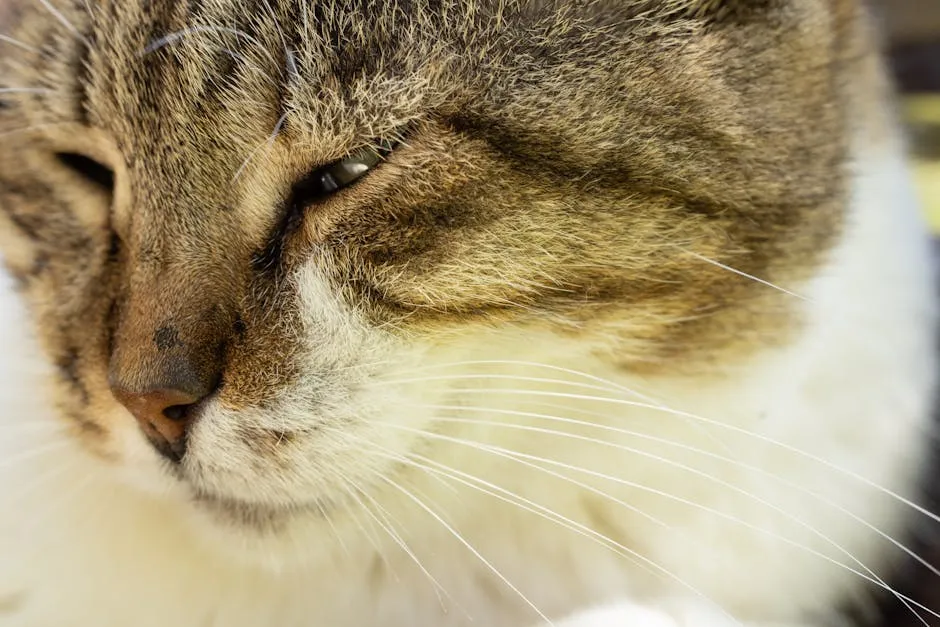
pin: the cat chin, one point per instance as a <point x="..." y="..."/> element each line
<point x="255" y="534"/>
<point x="257" y="518"/>
<point x="261" y="537"/>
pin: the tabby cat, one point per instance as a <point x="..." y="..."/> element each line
<point x="433" y="313"/>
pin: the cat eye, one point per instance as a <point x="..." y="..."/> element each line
<point x="89" y="169"/>
<point x="335" y="176"/>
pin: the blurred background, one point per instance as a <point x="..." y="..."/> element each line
<point x="913" y="32"/>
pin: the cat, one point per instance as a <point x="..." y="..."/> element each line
<point x="407" y="313"/>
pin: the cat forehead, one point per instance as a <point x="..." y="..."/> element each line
<point x="346" y="51"/>
<point x="215" y="78"/>
<point x="353" y="69"/>
<point x="333" y="75"/>
<point x="235" y="74"/>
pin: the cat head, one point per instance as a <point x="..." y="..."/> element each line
<point x="261" y="240"/>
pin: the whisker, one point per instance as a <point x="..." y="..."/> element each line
<point x="531" y="507"/>
<point x="329" y="521"/>
<point x="873" y="578"/>
<point x="686" y="447"/>
<point x="466" y="545"/>
<point x="585" y="486"/>
<point x="60" y="503"/>
<point x="18" y="43"/>
<point x="655" y="404"/>
<point x="607" y="384"/>
<point x="745" y="275"/>
<point x="30" y="128"/>
<point x="23" y="490"/>
<point x="496" y="377"/>
<point x="512" y="362"/>
<point x="64" y="21"/>
<point x="353" y="490"/>
<point x="49" y="508"/>
<point x="28" y="90"/>
<point x="556" y="518"/>
<point x="729" y="427"/>
<point x="363" y="366"/>
<point x="389" y="525"/>
<point x="179" y="35"/>
<point x="389" y="528"/>
<point x="508" y="377"/>
<point x="264" y="146"/>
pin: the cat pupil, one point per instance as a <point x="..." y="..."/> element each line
<point x="87" y="168"/>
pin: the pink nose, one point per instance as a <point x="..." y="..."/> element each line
<point x="164" y="415"/>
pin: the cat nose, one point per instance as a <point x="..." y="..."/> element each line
<point x="165" y="415"/>
<point x="168" y="355"/>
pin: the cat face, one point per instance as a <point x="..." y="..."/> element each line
<point x="257" y="227"/>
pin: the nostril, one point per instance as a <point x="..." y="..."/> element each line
<point x="165" y="416"/>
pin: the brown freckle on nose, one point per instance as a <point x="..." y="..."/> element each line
<point x="166" y="338"/>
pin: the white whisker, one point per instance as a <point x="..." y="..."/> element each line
<point x="62" y="19"/>
<point x="389" y="527"/>
<point x="468" y="546"/>
<point x="745" y="275"/>
<point x="179" y="35"/>
<point x="508" y="377"/>
<point x="18" y="43"/>
<point x="495" y="377"/>
<point x="28" y="90"/>
<point x="353" y="490"/>
<point x="264" y="146"/>
<point x="329" y="521"/>
<point x="31" y="128"/>
<point x="75" y="492"/>
<point x="517" y="500"/>
<point x="871" y="577"/>
<point x="654" y="404"/>
<point x="710" y="421"/>
<point x="679" y="445"/>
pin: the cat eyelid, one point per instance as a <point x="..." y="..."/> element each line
<point x="319" y="185"/>
<point x="328" y="179"/>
